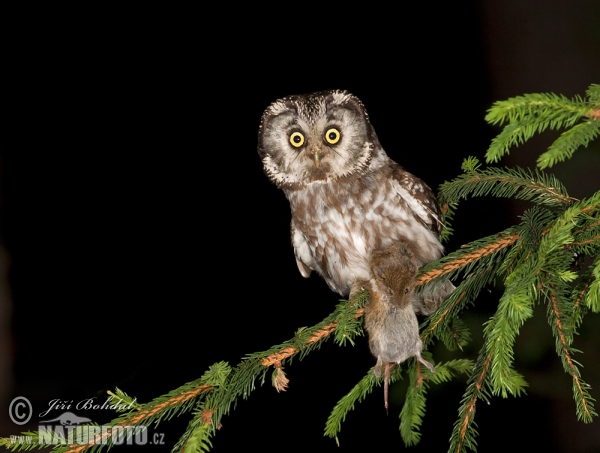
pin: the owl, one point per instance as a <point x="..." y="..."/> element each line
<point x="347" y="197"/>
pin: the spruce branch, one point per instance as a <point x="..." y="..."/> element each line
<point x="348" y="311"/>
<point x="456" y="335"/>
<point x="487" y="254"/>
<point x="198" y="440"/>
<point x="530" y="114"/>
<point x="357" y="394"/>
<point x="593" y="93"/>
<point x="516" y="304"/>
<point x="521" y="184"/>
<point x="548" y="106"/>
<point x="467" y="256"/>
<point x="465" y="428"/>
<point x="444" y="323"/>
<point x="563" y="333"/>
<point x="569" y="141"/>
<point x="413" y="410"/>
<point x="592" y="297"/>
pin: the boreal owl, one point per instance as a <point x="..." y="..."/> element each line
<point x="348" y="198"/>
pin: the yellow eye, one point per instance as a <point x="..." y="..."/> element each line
<point x="297" y="139"/>
<point x="332" y="136"/>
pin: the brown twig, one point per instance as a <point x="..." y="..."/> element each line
<point x="433" y="326"/>
<point x="319" y="335"/>
<point x="171" y="402"/>
<point x="583" y="291"/>
<point x="470" y="410"/>
<point x="573" y="371"/>
<point x="587" y="241"/>
<point x="502" y="242"/>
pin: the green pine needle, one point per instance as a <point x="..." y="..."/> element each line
<point x="521" y="184"/>
<point x="532" y="114"/>
<point x="592" y="297"/>
<point x="565" y="145"/>
<point x="199" y="440"/>
<point x="217" y="374"/>
<point x="413" y="410"/>
<point x="593" y="93"/>
<point x="358" y="393"/>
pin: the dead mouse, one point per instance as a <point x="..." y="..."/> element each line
<point x="389" y="317"/>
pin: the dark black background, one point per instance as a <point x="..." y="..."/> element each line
<point x="143" y="242"/>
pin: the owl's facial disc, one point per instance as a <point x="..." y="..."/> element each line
<point x="324" y="139"/>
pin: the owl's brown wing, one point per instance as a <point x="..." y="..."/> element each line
<point x="419" y="197"/>
<point x="424" y="204"/>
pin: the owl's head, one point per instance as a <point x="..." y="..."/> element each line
<point x="323" y="136"/>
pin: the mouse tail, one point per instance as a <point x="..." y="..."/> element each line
<point x="386" y="384"/>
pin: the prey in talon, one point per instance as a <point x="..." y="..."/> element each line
<point x="390" y="318"/>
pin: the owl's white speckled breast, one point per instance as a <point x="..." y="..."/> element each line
<point x="338" y="225"/>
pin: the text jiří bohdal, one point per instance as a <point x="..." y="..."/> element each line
<point x="87" y="404"/>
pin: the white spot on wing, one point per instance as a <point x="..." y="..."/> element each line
<point x="414" y="204"/>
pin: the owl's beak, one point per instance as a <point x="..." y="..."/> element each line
<point x="317" y="157"/>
